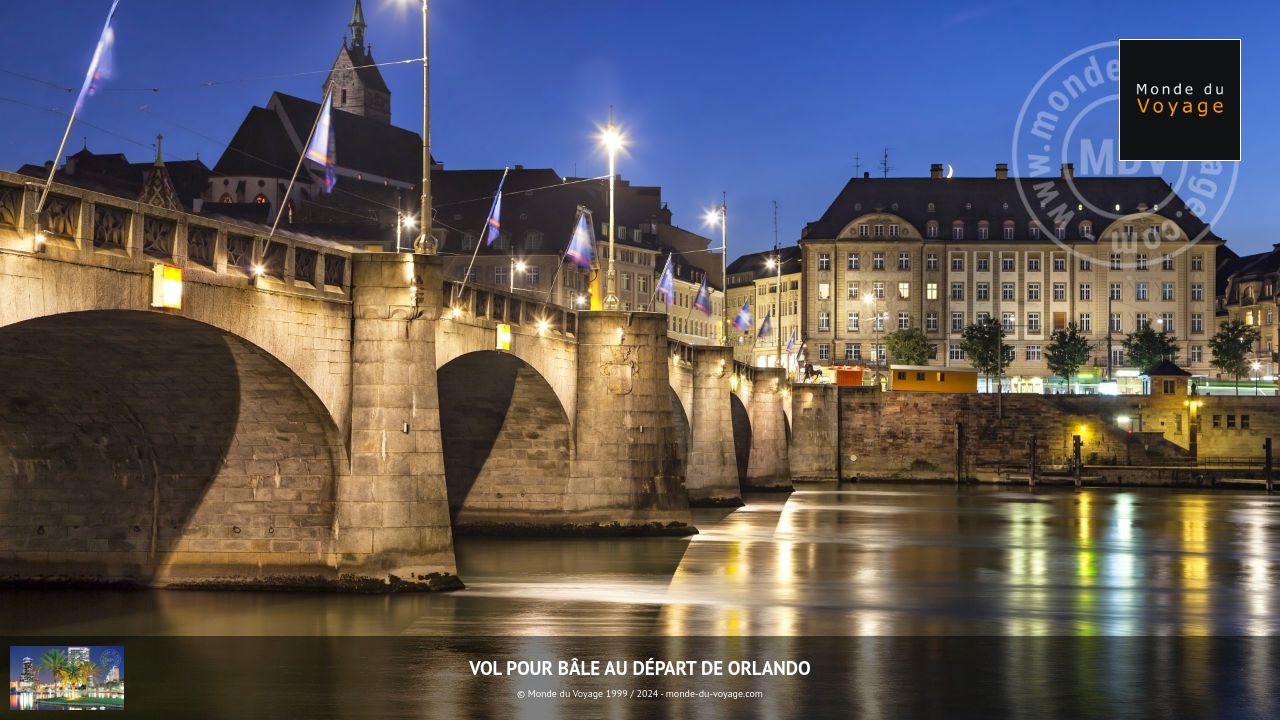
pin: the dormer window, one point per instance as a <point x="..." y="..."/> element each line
<point x="1007" y="230"/>
<point x="957" y="230"/>
<point x="1086" y="229"/>
<point x="931" y="207"/>
<point x="984" y="230"/>
<point x="931" y="227"/>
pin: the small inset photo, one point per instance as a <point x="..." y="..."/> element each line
<point x="66" y="677"/>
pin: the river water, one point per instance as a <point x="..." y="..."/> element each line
<point x="1021" y="589"/>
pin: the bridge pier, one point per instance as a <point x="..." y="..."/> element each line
<point x="391" y="522"/>
<point x="768" y="467"/>
<point x="711" y="473"/>
<point x="625" y="473"/>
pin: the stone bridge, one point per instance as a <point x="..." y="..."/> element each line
<point x="314" y="414"/>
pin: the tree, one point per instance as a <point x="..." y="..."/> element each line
<point x="1147" y="347"/>
<point x="84" y="672"/>
<point x="56" y="663"/>
<point x="907" y="347"/>
<point x="1066" y="352"/>
<point x="1231" y="346"/>
<point x="983" y="344"/>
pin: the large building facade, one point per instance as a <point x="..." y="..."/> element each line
<point x="940" y="253"/>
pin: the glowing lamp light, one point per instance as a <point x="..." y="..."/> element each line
<point x="1082" y="430"/>
<point x="543" y="326"/>
<point x="258" y="270"/>
<point x="166" y="287"/>
<point x="520" y="266"/>
<point x="612" y="138"/>
<point x="40" y="238"/>
<point x="580" y="301"/>
<point x="712" y="218"/>
<point x="733" y="382"/>
<point x="409" y="222"/>
<point x="504" y="337"/>
<point x="1123" y="419"/>
<point x="771" y="263"/>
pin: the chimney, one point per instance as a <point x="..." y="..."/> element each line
<point x="866" y="174"/>
<point x="1068" y="170"/>
<point x="1002" y="171"/>
<point x="935" y="171"/>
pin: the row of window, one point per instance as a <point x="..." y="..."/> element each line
<point x="1009" y="229"/>
<point x="691" y="326"/>
<point x="1030" y="353"/>
<point x="1008" y="291"/>
<point x="1141" y="261"/>
<point x="1032" y="325"/>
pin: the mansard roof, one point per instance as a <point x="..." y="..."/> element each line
<point x="972" y="199"/>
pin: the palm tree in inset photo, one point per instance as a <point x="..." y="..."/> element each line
<point x="56" y="663"/>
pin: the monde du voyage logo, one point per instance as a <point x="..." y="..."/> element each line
<point x="1180" y="100"/>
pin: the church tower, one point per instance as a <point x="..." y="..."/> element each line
<point x="357" y="84"/>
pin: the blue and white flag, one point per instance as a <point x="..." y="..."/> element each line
<point x="582" y="248"/>
<point x="743" y="321"/>
<point x="702" y="301"/>
<point x="493" y="225"/>
<point x="791" y="341"/>
<point x="320" y="149"/>
<point x="100" y="65"/>
<point x="666" y="284"/>
<point x="766" y="327"/>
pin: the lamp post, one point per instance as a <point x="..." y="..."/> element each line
<point x="720" y="216"/>
<point x="1257" y="368"/>
<point x="517" y="266"/>
<point x="870" y="299"/>
<point x="775" y="263"/>
<point x="406" y="222"/>
<point x="611" y="138"/>
<point x="426" y="136"/>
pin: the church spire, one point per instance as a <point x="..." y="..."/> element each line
<point x="357" y="26"/>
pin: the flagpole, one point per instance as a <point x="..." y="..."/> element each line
<point x="75" y="110"/>
<point x="301" y="156"/>
<point x="467" y="275"/>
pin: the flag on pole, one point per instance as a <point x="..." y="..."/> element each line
<point x="791" y="341"/>
<point x="766" y="327"/>
<point x="582" y="247"/>
<point x="666" y="284"/>
<point x="743" y="321"/>
<point x="702" y="300"/>
<point x="493" y="225"/>
<point x="100" y="65"/>
<point x="320" y="149"/>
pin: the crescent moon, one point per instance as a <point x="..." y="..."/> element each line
<point x="950" y="171"/>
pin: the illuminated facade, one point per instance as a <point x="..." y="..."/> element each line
<point x="941" y="253"/>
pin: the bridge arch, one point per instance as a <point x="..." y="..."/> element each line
<point x="507" y="440"/>
<point x="309" y="334"/>
<point x="145" y="446"/>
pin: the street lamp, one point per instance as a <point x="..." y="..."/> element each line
<point x="720" y="216"/>
<point x="517" y="266"/>
<point x="775" y="263"/>
<point x="407" y="222"/>
<point x="1257" y="367"/>
<point x="613" y="140"/>
<point x="870" y="299"/>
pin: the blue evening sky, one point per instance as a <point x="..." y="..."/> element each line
<point x="763" y="100"/>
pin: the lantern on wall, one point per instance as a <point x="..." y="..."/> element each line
<point x="166" y="287"/>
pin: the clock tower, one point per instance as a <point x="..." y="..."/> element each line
<point x="358" y="87"/>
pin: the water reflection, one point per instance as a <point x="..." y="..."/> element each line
<point x="827" y="560"/>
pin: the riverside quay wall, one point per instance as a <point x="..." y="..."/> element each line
<point x="865" y="434"/>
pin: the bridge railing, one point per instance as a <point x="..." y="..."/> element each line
<point x="93" y="228"/>
<point x="487" y="303"/>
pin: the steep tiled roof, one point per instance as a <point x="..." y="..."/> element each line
<point x="113" y="174"/>
<point x="263" y="146"/>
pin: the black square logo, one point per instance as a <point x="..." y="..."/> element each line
<point x="1179" y="100"/>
